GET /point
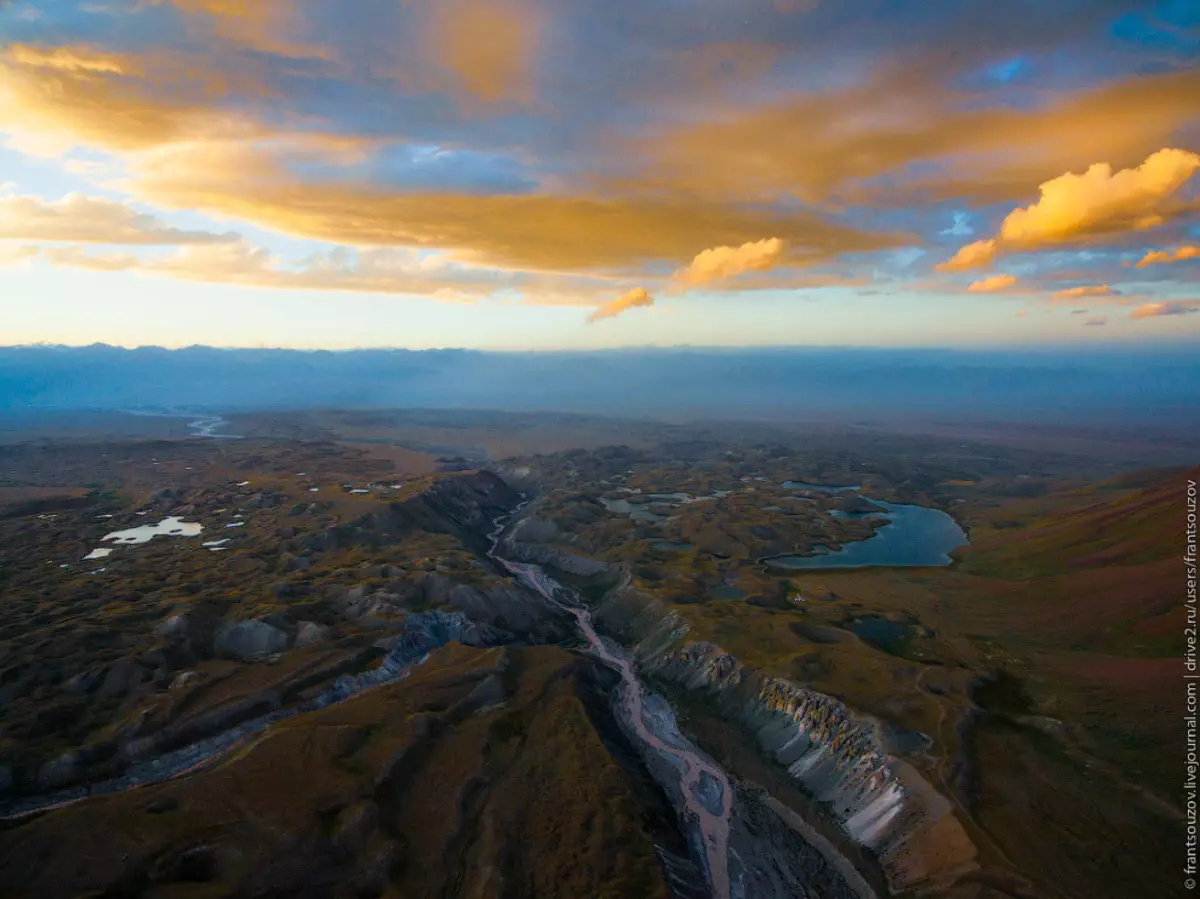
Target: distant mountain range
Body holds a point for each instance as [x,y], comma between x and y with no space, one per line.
[1065,385]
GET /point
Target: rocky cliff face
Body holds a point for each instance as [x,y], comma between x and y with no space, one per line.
[881,802]
[556,560]
[532,540]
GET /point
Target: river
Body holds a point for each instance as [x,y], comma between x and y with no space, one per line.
[705,788]
[208,425]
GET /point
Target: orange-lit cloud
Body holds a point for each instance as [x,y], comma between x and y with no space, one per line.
[57,99]
[723,263]
[973,255]
[992,284]
[377,270]
[1169,307]
[380,271]
[791,279]
[1098,202]
[74,257]
[1022,313]
[631,300]
[71,59]
[1101,201]
[1177,255]
[1090,290]
[79,219]
[732,144]
[189,152]
[537,232]
[268,26]
[489,50]
[18,255]
[839,142]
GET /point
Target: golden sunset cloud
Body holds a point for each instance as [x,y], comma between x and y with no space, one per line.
[67,97]
[1169,307]
[1091,290]
[1179,254]
[1101,201]
[243,265]
[268,26]
[833,143]
[536,232]
[71,59]
[489,49]
[973,255]
[18,255]
[631,300]
[1098,202]
[992,284]
[81,219]
[462,128]
[723,263]
[74,257]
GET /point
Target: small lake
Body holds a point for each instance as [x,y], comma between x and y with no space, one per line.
[168,527]
[728,592]
[878,630]
[914,537]
[646,517]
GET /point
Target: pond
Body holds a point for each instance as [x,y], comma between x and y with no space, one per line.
[646,517]
[727,592]
[877,630]
[168,527]
[617,506]
[914,537]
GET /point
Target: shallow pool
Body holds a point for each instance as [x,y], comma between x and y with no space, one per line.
[168,527]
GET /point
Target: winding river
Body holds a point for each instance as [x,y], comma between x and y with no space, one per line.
[208,426]
[707,793]
[706,790]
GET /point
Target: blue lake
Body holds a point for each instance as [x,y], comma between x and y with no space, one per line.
[915,536]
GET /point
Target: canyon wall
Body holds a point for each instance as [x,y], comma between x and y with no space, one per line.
[880,801]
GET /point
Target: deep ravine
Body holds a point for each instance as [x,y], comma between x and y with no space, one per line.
[706,790]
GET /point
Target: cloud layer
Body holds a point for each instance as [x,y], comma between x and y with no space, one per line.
[563,154]
[84,219]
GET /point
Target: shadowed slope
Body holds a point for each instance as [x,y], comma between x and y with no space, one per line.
[481,775]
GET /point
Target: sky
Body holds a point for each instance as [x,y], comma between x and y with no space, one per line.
[584,174]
